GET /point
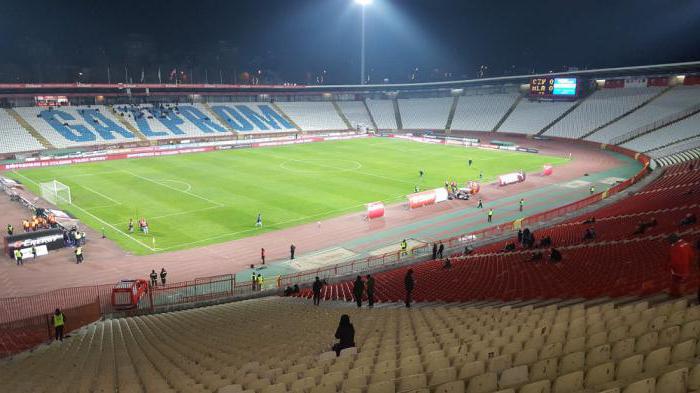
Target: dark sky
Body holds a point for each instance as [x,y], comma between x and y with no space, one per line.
[293,37]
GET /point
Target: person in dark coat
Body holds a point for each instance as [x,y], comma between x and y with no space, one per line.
[163,275]
[292,250]
[408,284]
[555,255]
[316,288]
[345,334]
[441,249]
[435,250]
[370,290]
[520,236]
[358,290]
[154,278]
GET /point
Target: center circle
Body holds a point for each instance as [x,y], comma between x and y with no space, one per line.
[320,165]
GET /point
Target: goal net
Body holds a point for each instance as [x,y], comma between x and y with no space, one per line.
[55,192]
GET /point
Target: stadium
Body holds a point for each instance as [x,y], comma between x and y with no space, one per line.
[529,232]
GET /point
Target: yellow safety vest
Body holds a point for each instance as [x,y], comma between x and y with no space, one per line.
[58,320]
[78,251]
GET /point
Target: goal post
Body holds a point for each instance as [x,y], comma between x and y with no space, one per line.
[55,192]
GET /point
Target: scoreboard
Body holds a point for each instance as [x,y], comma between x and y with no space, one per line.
[550,87]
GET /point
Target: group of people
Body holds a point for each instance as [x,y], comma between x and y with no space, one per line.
[257,282]
[143,225]
[154,277]
[19,257]
[36,223]
[359,289]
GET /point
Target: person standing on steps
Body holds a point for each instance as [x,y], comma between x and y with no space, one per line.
[292,249]
[163,274]
[435,250]
[316,288]
[370,290]
[441,249]
[358,290]
[408,284]
[490,215]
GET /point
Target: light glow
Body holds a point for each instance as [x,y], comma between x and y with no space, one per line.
[363,2]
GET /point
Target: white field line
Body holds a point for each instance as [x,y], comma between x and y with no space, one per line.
[93,174]
[100,194]
[95,217]
[341,169]
[102,206]
[177,214]
[174,189]
[302,218]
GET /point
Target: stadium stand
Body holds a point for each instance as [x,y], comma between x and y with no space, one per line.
[313,116]
[425,113]
[170,120]
[383,113]
[280,345]
[76,125]
[675,100]
[14,138]
[640,258]
[599,108]
[251,117]
[680,130]
[356,113]
[481,112]
[680,153]
[529,117]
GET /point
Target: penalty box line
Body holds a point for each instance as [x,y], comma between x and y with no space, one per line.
[95,217]
[174,189]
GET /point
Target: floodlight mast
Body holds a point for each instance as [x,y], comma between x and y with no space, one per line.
[363,4]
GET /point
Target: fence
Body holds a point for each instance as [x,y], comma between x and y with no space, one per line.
[88,303]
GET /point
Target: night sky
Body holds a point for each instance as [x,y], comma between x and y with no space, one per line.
[295,40]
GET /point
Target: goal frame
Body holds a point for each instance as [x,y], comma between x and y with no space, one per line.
[51,191]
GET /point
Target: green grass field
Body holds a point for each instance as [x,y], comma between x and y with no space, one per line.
[198,199]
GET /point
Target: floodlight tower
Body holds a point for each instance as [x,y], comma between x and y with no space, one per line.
[363,4]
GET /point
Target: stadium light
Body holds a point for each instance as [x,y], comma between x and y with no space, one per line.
[364,4]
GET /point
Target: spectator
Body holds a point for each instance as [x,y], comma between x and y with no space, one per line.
[441,249]
[288,291]
[681,257]
[345,334]
[435,248]
[555,255]
[536,256]
[546,241]
[447,264]
[520,236]
[467,250]
[59,321]
[590,221]
[589,235]
[409,283]
[358,290]
[689,219]
[531,240]
[510,246]
[370,290]
[296,288]
[316,289]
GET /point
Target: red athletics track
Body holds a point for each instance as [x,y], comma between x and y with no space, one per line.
[106,263]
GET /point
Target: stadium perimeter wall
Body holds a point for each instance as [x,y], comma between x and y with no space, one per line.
[25,321]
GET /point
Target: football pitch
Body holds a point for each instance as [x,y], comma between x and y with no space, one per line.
[197,199]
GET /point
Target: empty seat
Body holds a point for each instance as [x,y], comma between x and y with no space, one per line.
[569,383]
[483,383]
[644,386]
[673,382]
[513,377]
[600,374]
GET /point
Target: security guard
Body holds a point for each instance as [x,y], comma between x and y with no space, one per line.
[163,275]
[78,235]
[33,251]
[261,281]
[18,256]
[58,322]
[404,247]
[254,281]
[490,216]
[522,203]
[592,190]
[79,254]
[10,229]
[154,278]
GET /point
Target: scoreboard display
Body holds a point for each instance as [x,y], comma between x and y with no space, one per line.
[550,87]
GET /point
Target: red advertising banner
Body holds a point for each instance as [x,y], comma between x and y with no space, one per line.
[691,80]
[375,210]
[658,82]
[420,199]
[511,178]
[614,83]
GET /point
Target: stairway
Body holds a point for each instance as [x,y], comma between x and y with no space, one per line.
[563,115]
[289,119]
[397,114]
[508,112]
[643,104]
[369,112]
[31,130]
[342,115]
[128,125]
[451,116]
[219,118]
